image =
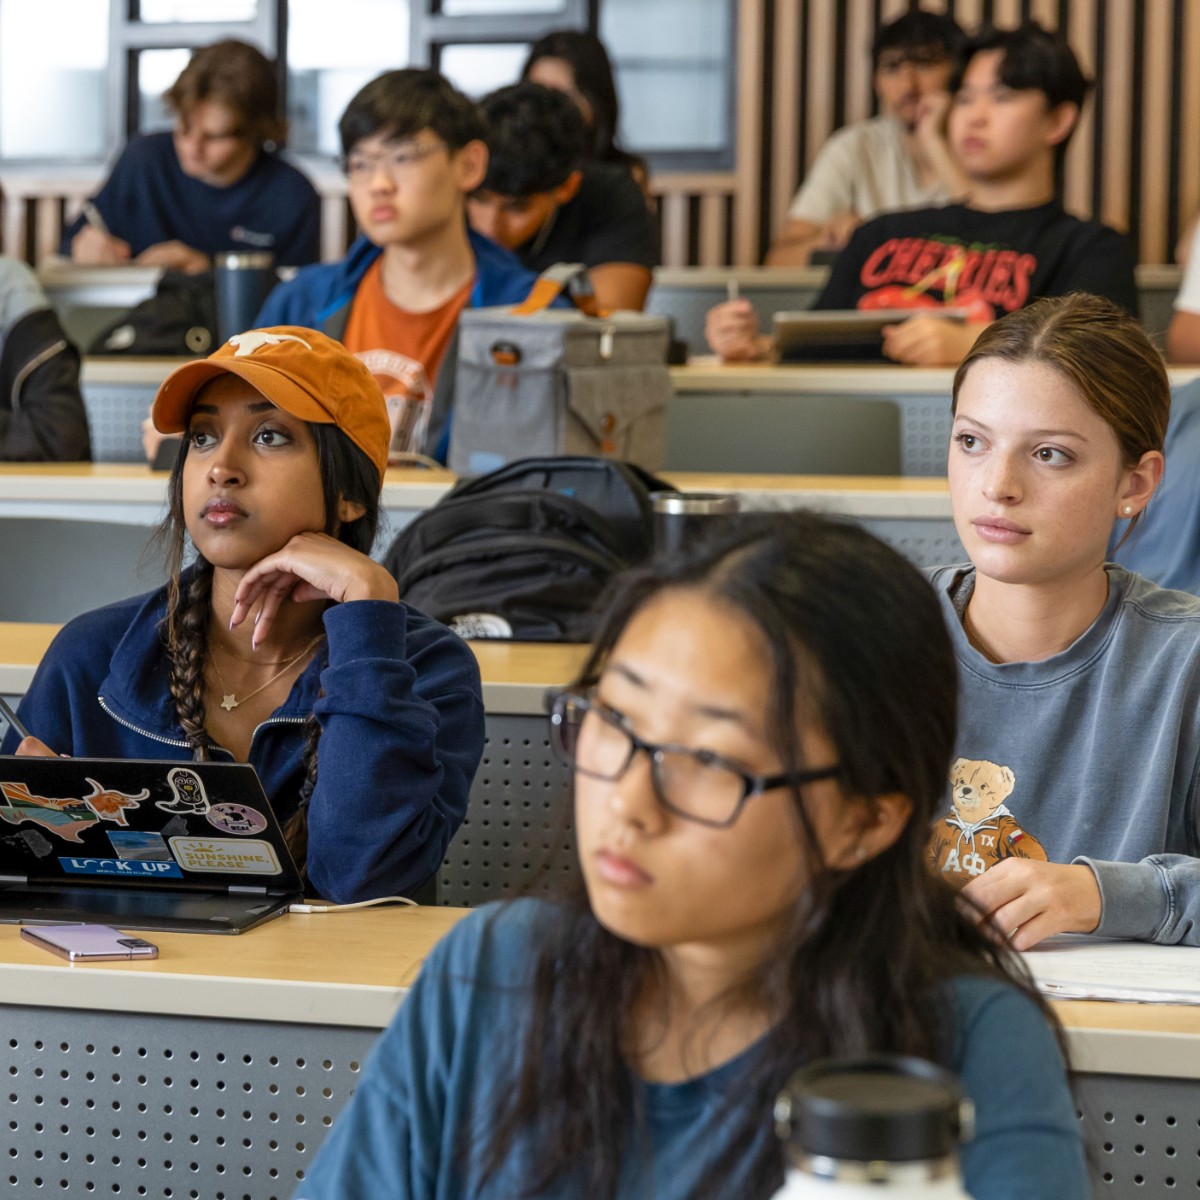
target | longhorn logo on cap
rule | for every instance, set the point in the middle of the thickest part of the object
(247, 343)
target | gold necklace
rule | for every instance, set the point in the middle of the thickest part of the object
(229, 700)
(978, 642)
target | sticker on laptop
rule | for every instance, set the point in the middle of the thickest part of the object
(234, 855)
(236, 818)
(109, 804)
(187, 792)
(120, 868)
(66, 818)
(138, 846)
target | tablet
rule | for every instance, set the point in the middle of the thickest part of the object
(844, 335)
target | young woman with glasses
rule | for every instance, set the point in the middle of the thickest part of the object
(759, 739)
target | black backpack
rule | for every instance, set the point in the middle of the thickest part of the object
(524, 552)
(179, 319)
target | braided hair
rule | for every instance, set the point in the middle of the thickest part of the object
(346, 474)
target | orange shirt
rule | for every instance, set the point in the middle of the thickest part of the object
(403, 350)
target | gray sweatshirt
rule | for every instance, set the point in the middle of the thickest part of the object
(1092, 756)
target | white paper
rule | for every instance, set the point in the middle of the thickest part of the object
(1074, 967)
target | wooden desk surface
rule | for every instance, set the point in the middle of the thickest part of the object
(124, 491)
(515, 674)
(707, 374)
(354, 968)
(345, 968)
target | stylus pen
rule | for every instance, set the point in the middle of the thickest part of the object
(92, 215)
(6, 711)
(732, 291)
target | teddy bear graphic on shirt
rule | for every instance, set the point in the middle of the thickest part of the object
(979, 831)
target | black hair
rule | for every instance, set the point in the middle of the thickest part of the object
(346, 474)
(594, 81)
(858, 646)
(1031, 57)
(536, 138)
(916, 31)
(399, 104)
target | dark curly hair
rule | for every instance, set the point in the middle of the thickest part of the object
(536, 139)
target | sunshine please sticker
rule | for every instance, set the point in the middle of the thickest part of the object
(245, 856)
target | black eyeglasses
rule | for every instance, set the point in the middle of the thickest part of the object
(699, 785)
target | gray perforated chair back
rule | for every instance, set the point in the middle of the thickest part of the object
(517, 836)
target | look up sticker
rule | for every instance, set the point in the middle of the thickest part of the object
(120, 867)
(242, 856)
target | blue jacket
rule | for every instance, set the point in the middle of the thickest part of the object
(1165, 545)
(401, 719)
(320, 298)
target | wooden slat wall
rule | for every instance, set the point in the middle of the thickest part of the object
(1138, 168)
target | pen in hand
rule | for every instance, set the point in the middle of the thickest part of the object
(92, 215)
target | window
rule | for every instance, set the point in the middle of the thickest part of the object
(328, 61)
(53, 59)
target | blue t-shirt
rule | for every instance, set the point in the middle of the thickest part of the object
(1165, 545)
(148, 199)
(428, 1091)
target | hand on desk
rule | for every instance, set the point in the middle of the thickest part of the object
(175, 256)
(732, 332)
(95, 249)
(312, 566)
(930, 341)
(1027, 901)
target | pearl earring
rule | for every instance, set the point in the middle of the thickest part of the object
(1128, 510)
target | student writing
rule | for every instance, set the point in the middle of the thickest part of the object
(547, 205)
(759, 739)
(215, 183)
(283, 644)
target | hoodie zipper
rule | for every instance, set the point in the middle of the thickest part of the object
(166, 741)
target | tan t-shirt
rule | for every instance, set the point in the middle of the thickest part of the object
(864, 168)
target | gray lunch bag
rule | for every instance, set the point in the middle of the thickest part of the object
(535, 381)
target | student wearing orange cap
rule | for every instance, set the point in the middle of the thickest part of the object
(281, 643)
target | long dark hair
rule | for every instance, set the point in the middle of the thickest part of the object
(346, 473)
(594, 81)
(858, 646)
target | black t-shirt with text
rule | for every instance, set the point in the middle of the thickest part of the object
(989, 263)
(606, 221)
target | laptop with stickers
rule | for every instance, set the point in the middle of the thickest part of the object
(168, 846)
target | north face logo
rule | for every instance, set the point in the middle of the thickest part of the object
(247, 343)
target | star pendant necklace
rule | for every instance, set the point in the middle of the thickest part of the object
(229, 699)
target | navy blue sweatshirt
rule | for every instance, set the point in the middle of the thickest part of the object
(401, 719)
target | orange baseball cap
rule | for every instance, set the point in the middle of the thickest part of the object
(301, 371)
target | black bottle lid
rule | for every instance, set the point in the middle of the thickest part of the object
(886, 1108)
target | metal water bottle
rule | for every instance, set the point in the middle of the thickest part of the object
(884, 1126)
